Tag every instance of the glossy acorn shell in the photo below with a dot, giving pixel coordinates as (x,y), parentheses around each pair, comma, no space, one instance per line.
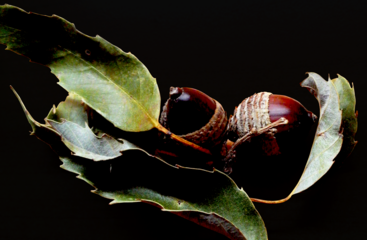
(194,116)
(296,114)
(263,108)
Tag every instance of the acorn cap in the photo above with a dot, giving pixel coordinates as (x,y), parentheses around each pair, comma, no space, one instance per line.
(264,108)
(194,116)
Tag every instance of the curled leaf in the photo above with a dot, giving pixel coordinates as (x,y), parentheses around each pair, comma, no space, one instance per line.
(113,83)
(72,109)
(210,199)
(80,140)
(347,100)
(83,143)
(70,121)
(328,139)
(213,222)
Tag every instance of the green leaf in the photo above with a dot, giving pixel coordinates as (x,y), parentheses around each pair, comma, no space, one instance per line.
(210,199)
(347,100)
(337,103)
(80,140)
(83,143)
(114,83)
(70,121)
(213,222)
(72,109)
(34,124)
(328,139)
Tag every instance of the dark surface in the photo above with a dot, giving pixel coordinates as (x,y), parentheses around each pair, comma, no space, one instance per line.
(188,110)
(229,51)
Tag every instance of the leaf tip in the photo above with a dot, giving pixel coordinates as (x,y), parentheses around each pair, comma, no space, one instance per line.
(54,109)
(113,202)
(30,119)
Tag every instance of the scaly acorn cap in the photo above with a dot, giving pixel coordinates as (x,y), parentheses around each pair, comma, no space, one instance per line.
(194,116)
(263,108)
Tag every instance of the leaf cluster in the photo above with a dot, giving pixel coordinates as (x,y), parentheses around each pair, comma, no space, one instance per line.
(103,81)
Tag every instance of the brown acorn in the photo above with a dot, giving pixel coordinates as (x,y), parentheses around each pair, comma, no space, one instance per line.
(194,116)
(263,108)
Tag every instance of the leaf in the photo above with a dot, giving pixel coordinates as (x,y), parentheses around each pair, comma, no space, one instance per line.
(80,140)
(114,83)
(83,143)
(328,139)
(70,121)
(210,199)
(347,100)
(34,124)
(213,222)
(72,109)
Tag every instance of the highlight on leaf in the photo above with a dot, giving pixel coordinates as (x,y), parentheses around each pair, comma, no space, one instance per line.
(77,135)
(347,100)
(329,134)
(220,206)
(113,83)
(101,78)
(80,140)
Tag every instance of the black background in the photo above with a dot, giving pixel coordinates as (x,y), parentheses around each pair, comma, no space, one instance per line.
(229,51)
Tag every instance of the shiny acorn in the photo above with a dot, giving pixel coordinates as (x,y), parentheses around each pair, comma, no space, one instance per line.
(194,116)
(264,108)
(200,119)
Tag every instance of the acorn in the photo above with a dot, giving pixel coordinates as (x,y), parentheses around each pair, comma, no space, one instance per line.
(264,108)
(194,116)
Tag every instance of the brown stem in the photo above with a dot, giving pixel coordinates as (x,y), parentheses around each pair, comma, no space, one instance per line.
(160,151)
(254,132)
(272,201)
(182,141)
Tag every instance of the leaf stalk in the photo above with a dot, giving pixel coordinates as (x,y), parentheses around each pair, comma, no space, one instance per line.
(182,140)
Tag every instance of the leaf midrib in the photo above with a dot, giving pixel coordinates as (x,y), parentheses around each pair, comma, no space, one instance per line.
(136,102)
(153,121)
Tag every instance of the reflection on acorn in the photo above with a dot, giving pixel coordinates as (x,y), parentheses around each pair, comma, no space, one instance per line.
(194,116)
